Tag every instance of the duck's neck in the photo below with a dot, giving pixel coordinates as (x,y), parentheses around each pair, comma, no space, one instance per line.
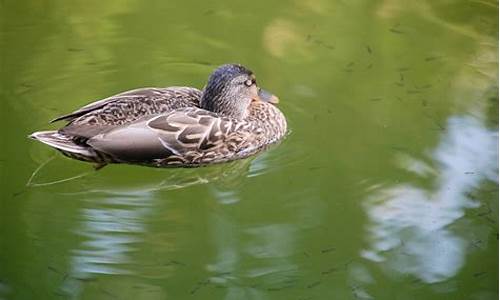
(224,105)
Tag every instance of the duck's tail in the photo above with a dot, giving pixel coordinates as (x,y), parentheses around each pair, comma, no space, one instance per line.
(68,147)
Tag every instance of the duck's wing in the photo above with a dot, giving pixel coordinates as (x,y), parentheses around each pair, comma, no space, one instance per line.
(184,93)
(185,136)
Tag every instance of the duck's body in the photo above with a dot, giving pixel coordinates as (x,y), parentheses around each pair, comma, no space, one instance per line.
(169,127)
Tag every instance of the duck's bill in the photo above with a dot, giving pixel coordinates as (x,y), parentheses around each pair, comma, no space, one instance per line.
(267,97)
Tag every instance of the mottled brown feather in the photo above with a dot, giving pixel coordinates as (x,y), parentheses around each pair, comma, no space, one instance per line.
(165,127)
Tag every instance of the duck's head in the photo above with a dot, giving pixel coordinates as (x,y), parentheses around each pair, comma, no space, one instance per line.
(231,89)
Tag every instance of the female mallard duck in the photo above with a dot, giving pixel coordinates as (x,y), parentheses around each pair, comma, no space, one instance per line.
(231,118)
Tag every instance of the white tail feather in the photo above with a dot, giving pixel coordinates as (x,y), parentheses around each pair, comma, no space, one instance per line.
(61,142)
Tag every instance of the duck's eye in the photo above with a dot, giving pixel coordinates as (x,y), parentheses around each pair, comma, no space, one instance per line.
(248,82)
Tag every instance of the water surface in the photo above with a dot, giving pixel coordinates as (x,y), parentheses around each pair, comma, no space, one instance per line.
(385,188)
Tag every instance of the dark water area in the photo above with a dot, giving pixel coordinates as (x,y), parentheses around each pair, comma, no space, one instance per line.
(386,186)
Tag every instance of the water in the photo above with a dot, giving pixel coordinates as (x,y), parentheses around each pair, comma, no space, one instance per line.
(385,188)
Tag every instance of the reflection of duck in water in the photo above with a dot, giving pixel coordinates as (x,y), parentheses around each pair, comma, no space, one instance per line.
(178,126)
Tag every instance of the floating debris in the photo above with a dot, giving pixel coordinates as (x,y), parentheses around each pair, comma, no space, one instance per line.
(26,85)
(329,271)
(425,86)
(431,58)
(314,284)
(328,250)
(393,30)
(479,274)
(433,119)
(174,262)
(275,289)
(310,38)
(476,244)
(199,285)
(53,270)
(414,92)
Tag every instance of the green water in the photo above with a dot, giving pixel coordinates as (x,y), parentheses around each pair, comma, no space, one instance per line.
(385,188)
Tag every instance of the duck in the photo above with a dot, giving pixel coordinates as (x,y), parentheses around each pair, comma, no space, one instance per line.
(230,118)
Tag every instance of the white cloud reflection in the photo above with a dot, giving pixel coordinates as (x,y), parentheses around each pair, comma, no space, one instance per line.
(409,229)
(110,230)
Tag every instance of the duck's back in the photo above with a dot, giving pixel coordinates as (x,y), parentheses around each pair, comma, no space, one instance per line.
(127,107)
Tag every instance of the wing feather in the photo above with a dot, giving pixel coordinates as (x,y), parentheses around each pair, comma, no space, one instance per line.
(191,94)
(132,94)
(188,135)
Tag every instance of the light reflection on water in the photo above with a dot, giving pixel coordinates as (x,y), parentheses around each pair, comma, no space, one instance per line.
(268,246)
(410,225)
(110,228)
(115,220)
(263,262)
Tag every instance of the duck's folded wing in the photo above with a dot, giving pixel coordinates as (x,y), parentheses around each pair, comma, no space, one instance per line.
(134,95)
(135,142)
(184,133)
